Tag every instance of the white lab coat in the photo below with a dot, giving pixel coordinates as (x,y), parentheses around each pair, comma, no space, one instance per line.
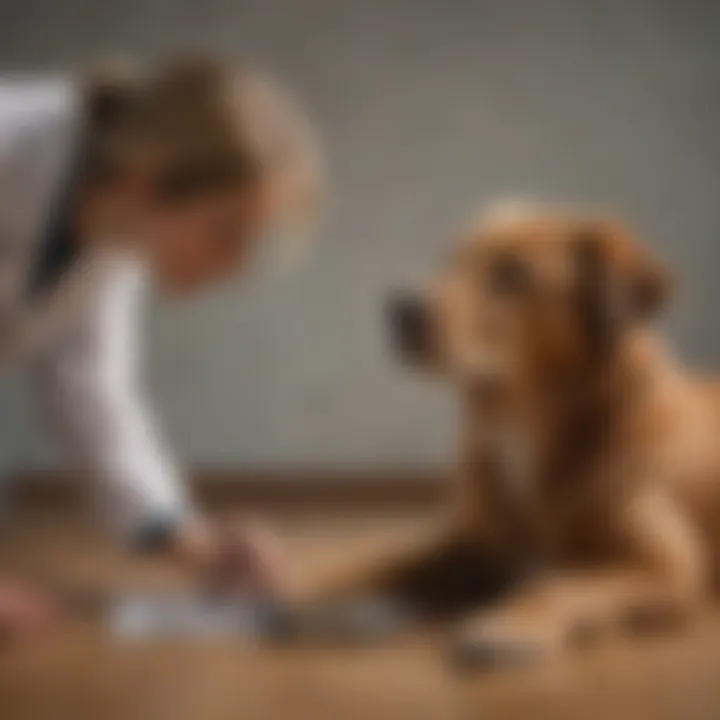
(80,340)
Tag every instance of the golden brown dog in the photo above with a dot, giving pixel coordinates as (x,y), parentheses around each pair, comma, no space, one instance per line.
(587,452)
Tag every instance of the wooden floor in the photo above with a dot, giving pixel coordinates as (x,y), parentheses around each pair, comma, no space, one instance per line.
(80,673)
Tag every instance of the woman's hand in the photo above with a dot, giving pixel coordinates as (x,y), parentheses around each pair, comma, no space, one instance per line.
(237,556)
(23,611)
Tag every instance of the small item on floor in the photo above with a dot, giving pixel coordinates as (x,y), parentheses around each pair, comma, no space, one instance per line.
(156,616)
(145,617)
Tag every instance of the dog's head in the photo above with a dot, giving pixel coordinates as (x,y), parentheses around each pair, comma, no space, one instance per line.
(531,296)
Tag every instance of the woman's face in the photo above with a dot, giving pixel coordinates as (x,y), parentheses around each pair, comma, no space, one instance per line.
(204,240)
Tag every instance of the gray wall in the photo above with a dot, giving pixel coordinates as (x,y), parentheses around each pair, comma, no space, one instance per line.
(426,109)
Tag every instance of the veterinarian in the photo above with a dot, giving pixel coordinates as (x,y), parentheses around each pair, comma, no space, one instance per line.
(167,177)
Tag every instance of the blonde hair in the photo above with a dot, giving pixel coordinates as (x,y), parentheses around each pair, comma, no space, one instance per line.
(200,125)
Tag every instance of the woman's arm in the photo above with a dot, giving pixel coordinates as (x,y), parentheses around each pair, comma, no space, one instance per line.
(88,381)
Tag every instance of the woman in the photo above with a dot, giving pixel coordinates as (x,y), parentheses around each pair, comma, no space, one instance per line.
(166,177)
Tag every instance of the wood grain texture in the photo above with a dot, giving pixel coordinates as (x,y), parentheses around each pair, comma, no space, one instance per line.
(77,672)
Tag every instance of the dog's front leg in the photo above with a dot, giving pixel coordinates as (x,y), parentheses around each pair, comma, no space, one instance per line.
(457,564)
(438,576)
(445,571)
(660,578)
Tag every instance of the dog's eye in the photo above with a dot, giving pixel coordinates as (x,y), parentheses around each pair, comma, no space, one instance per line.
(507,275)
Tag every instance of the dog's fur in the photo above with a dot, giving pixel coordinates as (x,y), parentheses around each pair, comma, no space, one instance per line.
(587,452)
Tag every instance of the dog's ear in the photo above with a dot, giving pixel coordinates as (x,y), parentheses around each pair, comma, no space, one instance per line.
(620,284)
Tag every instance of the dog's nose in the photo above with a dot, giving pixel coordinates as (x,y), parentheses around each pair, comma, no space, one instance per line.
(409,323)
